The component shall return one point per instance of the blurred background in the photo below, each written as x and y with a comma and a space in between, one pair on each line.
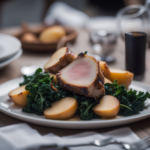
88, 25
13, 12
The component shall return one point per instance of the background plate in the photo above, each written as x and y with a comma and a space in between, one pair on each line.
5, 63
7, 107
9, 46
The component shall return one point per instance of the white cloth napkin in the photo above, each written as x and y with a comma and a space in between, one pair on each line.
22, 136
64, 14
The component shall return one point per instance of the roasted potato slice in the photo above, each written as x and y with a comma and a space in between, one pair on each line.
60, 59
19, 96
104, 68
122, 76
108, 107
62, 109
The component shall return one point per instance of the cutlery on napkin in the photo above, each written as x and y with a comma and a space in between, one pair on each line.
22, 136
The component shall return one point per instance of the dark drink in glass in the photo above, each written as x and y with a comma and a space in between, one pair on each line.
135, 45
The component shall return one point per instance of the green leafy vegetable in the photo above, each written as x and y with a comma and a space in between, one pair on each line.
82, 53
85, 52
39, 87
131, 102
85, 106
35, 77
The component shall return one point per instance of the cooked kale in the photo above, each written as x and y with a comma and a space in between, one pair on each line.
41, 96
131, 102
85, 106
35, 77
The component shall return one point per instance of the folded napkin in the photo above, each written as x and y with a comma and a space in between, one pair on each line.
22, 136
64, 14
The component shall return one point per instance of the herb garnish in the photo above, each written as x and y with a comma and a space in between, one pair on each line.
81, 54
85, 52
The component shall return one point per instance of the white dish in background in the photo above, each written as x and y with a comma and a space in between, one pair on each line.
7, 107
101, 23
9, 46
5, 63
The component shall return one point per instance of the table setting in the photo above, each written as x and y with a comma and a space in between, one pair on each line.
76, 83
73, 142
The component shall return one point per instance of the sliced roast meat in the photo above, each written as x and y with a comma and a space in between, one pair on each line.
60, 59
83, 76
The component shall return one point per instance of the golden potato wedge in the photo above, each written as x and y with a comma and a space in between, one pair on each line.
122, 76
108, 107
52, 34
19, 96
54, 78
104, 68
60, 59
106, 80
62, 109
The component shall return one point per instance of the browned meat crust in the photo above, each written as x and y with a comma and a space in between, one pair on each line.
95, 89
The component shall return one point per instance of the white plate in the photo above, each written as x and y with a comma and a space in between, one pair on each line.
5, 63
7, 107
9, 45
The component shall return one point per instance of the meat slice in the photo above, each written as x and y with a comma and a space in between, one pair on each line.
83, 76
60, 59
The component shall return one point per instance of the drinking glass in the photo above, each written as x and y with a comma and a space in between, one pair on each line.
133, 18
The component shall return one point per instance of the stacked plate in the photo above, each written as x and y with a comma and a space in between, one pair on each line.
10, 49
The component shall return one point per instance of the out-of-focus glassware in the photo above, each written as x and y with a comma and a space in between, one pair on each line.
103, 43
147, 7
132, 19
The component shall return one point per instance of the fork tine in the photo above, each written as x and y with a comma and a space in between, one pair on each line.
144, 144
145, 138
142, 141
146, 141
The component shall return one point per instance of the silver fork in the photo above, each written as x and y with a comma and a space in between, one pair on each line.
98, 143
140, 145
